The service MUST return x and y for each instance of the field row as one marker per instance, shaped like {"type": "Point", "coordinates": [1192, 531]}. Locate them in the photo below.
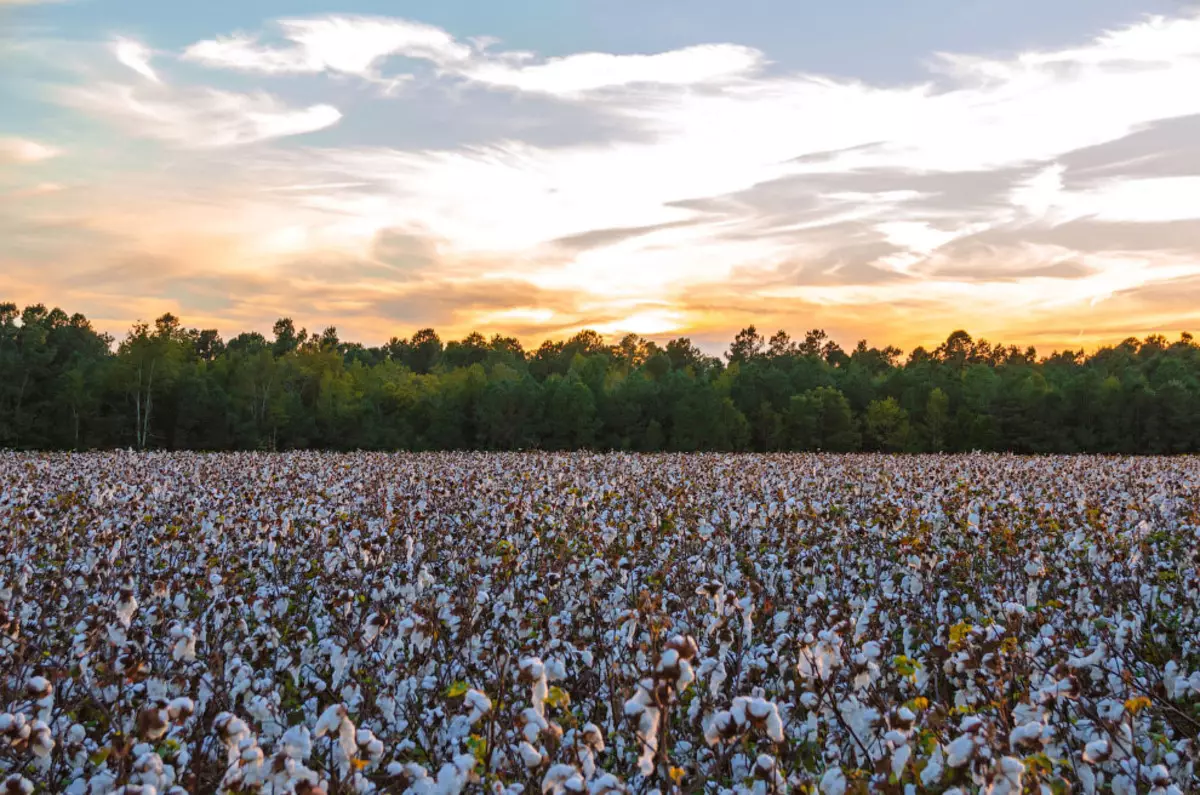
{"type": "Point", "coordinates": [308, 623]}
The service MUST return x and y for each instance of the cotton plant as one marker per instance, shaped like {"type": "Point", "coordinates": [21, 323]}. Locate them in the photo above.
{"type": "Point", "coordinates": [454, 622]}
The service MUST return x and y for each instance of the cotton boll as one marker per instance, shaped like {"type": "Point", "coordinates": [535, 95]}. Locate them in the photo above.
{"type": "Point", "coordinates": [17, 785]}
{"type": "Point", "coordinates": [932, 772]}
{"type": "Point", "coordinates": [41, 743]}
{"type": "Point", "coordinates": [297, 743]}
{"type": "Point", "coordinates": [833, 782]}
{"type": "Point", "coordinates": [330, 720]}
{"type": "Point", "coordinates": [479, 705]}
{"type": "Point", "coordinates": [532, 757]}
{"type": "Point", "coordinates": [960, 751]}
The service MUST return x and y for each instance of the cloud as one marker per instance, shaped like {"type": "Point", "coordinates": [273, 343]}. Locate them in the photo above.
{"type": "Point", "coordinates": [200, 117]}
{"type": "Point", "coordinates": [1145, 200]}
{"type": "Point", "coordinates": [136, 56]}
{"type": "Point", "coordinates": [577, 74]}
{"type": "Point", "coordinates": [33, 191]}
{"type": "Point", "coordinates": [698, 188]}
{"type": "Point", "coordinates": [348, 44]}
{"type": "Point", "coordinates": [22, 150]}
{"type": "Point", "coordinates": [356, 45]}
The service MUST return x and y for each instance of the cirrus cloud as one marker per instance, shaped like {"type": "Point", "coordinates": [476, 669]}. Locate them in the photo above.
{"type": "Point", "coordinates": [578, 74]}
{"type": "Point", "coordinates": [200, 117]}
{"type": "Point", "coordinates": [710, 188]}
{"type": "Point", "coordinates": [23, 150]}
{"type": "Point", "coordinates": [136, 56]}
{"type": "Point", "coordinates": [347, 44]}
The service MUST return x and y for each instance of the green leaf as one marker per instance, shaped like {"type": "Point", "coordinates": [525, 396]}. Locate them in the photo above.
{"type": "Point", "coordinates": [478, 747]}
{"type": "Point", "coordinates": [457, 689]}
{"type": "Point", "coordinates": [558, 698]}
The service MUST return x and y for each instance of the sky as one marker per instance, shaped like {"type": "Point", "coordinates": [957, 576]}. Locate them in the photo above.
{"type": "Point", "coordinates": [889, 170]}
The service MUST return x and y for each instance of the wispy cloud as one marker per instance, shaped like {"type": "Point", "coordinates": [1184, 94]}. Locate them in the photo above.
{"type": "Point", "coordinates": [348, 44]}
{"type": "Point", "coordinates": [577, 74]}
{"type": "Point", "coordinates": [22, 150]}
{"type": "Point", "coordinates": [356, 45]}
{"type": "Point", "coordinates": [200, 117]}
{"type": "Point", "coordinates": [716, 190]}
{"type": "Point", "coordinates": [136, 56]}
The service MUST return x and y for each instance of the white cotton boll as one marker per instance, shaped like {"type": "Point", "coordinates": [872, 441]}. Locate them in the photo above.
{"type": "Point", "coordinates": [534, 724]}
{"type": "Point", "coordinates": [17, 785]}
{"type": "Point", "coordinates": [347, 739]}
{"type": "Point", "coordinates": [1123, 785]}
{"type": "Point", "coordinates": [774, 727]}
{"type": "Point", "coordinates": [686, 676]}
{"type": "Point", "coordinates": [740, 706]}
{"type": "Point", "coordinates": [1172, 681]}
{"type": "Point", "coordinates": [1110, 709]}
{"type": "Point", "coordinates": [453, 776]}
{"type": "Point", "coordinates": [559, 779]}
{"type": "Point", "coordinates": [126, 606]}
{"type": "Point", "coordinates": [717, 681]}
{"type": "Point", "coordinates": [250, 753]}
{"type": "Point", "coordinates": [40, 740]}
{"type": "Point", "coordinates": [116, 635]}
{"type": "Point", "coordinates": [330, 720]}
{"type": "Point", "coordinates": [41, 690]}
{"type": "Point", "coordinates": [555, 669]}
{"type": "Point", "coordinates": [479, 704]}
{"type": "Point", "coordinates": [297, 743]}
{"type": "Point", "coordinates": [1087, 779]}
{"type": "Point", "coordinates": [767, 777]}
{"type": "Point", "coordinates": [932, 772]}
{"type": "Point", "coordinates": [533, 671]}
{"type": "Point", "coordinates": [717, 725]}
{"type": "Point", "coordinates": [1096, 751]}
{"type": "Point", "coordinates": [900, 759]}
{"type": "Point", "coordinates": [1011, 772]}
{"type": "Point", "coordinates": [387, 706]}
{"type": "Point", "coordinates": [747, 606]}
{"type": "Point", "coordinates": [372, 746]}
{"type": "Point", "coordinates": [231, 729]}
{"type": "Point", "coordinates": [648, 737]}
{"type": "Point", "coordinates": [833, 782]}
{"type": "Point", "coordinates": [960, 751]}
{"type": "Point", "coordinates": [530, 756]}
{"type": "Point", "coordinates": [351, 695]}
{"type": "Point", "coordinates": [1025, 734]}
{"type": "Point", "coordinates": [607, 784]}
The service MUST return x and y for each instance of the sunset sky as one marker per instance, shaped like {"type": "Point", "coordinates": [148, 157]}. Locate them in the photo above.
{"type": "Point", "coordinates": [1028, 171]}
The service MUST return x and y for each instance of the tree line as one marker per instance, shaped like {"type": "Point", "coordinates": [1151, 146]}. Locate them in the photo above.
{"type": "Point", "coordinates": [63, 385]}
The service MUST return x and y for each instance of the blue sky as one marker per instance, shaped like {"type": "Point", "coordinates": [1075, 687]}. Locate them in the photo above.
{"type": "Point", "coordinates": [868, 39]}
{"type": "Point", "coordinates": [890, 170]}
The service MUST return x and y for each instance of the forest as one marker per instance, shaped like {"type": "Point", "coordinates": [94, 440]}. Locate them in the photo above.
{"type": "Point", "coordinates": [65, 386]}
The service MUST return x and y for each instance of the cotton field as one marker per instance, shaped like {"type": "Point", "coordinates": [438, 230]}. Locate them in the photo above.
{"type": "Point", "coordinates": [444, 623]}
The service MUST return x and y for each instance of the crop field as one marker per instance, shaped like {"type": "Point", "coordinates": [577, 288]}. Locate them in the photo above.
{"type": "Point", "coordinates": [352, 623]}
